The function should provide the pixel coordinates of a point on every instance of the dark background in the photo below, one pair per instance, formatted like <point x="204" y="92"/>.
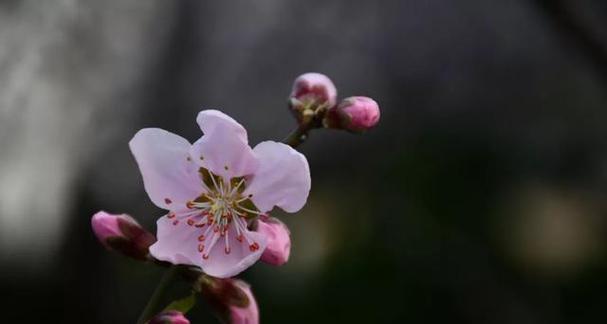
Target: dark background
<point x="479" y="198"/>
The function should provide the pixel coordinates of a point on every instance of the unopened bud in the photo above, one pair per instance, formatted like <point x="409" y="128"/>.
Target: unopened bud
<point x="311" y="92"/>
<point x="354" y="114"/>
<point x="169" y="317"/>
<point x="231" y="299"/>
<point x="278" y="241"/>
<point x="122" y="233"/>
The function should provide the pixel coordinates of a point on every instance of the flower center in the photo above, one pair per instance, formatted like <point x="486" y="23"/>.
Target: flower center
<point x="220" y="212"/>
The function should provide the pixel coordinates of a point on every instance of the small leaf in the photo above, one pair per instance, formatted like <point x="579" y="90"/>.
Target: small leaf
<point x="182" y="305"/>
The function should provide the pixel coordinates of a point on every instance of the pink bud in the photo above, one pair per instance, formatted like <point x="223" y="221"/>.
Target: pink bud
<point x="355" y="114"/>
<point x="248" y="314"/>
<point x="231" y="299"/>
<point x="122" y="233"/>
<point x="169" y="317"/>
<point x="313" y="89"/>
<point x="279" y="241"/>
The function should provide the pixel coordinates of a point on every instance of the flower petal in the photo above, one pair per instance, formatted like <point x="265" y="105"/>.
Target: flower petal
<point x="176" y="244"/>
<point x="282" y="179"/>
<point x="223" y="265"/>
<point x="211" y="120"/>
<point x="169" y="176"/>
<point x="223" y="149"/>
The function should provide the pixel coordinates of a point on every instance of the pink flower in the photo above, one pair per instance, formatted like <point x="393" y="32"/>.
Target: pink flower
<point x="122" y="233"/>
<point x="355" y="114"/>
<point x="169" y="317"/>
<point x="314" y="88"/>
<point x="248" y="314"/>
<point x="232" y="300"/>
<point x="213" y="189"/>
<point x="278" y="241"/>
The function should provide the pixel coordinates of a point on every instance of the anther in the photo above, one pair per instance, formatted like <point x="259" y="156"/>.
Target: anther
<point x="201" y="238"/>
<point x="175" y="222"/>
<point x="190" y="222"/>
<point x="167" y="201"/>
<point x="227" y="250"/>
<point x="200" y="247"/>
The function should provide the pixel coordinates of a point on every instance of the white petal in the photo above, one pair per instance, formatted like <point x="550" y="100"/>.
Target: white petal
<point x="282" y="179"/>
<point x="212" y="120"/>
<point x="177" y="244"/>
<point x="169" y="178"/>
<point x="223" y="265"/>
<point x="223" y="149"/>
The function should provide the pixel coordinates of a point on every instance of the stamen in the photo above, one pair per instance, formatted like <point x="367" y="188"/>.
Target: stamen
<point x="250" y="211"/>
<point x="254" y="247"/>
<point x="221" y="207"/>
<point x="236" y="188"/>
<point x="205" y="255"/>
<point x="221" y="187"/>
<point x="227" y="243"/>
<point x="242" y="227"/>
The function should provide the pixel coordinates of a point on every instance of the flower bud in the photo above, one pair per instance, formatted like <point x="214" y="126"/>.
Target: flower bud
<point x="278" y="240"/>
<point x="311" y="92"/>
<point x="232" y="300"/>
<point x="122" y="233"/>
<point x="248" y="314"/>
<point x="169" y="317"/>
<point x="354" y="114"/>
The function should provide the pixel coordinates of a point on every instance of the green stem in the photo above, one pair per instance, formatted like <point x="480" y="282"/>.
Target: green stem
<point x="298" y="136"/>
<point x="152" y="304"/>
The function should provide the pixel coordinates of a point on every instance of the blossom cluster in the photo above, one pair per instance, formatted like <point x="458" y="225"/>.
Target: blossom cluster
<point x="218" y="193"/>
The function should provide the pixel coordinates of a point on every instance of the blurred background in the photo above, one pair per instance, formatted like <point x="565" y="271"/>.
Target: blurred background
<point x="479" y="198"/>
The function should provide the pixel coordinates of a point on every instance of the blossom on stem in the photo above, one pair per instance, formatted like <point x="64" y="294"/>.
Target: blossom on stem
<point x="248" y="314"/>
<point x="122" y="233"/>
<point x="213" y="190"/>
<point x="311" y="92"/>
<point x="232" y="300"/>
<point x="354" y="114"/>
<point x="278" y="240"/>
<point x="169" y="317"/>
